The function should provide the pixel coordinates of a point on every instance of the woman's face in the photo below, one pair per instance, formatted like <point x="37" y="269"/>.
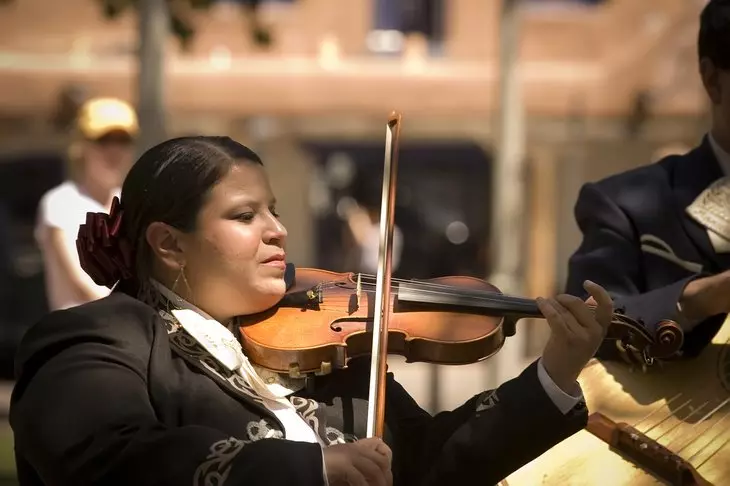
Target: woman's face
<point x="235" y="259"/>
<point x="107" y="160"/>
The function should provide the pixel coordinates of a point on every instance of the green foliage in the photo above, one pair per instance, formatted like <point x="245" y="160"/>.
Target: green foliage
<point x="180" y="26"/>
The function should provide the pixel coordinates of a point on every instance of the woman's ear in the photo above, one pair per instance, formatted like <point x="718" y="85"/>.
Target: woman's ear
<point x="164" y="240"/>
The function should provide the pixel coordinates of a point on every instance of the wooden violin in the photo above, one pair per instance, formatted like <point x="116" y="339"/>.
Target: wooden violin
<point x="326" y="318"/>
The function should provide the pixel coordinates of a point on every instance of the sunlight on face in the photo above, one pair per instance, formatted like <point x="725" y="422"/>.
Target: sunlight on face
<point x="235" y="258"/>
<point x="107" y="160"/>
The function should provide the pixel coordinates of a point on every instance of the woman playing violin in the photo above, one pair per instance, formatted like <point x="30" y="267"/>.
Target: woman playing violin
<point x="149" y="386"/>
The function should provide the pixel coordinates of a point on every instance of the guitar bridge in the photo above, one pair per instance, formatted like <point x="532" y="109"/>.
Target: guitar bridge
<point x="644" y="452"/>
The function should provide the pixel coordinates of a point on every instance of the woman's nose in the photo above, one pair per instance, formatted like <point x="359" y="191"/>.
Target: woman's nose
<point x="276" y="230"/>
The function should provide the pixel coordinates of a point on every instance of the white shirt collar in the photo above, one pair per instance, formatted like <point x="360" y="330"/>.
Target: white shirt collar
<point x="722" y="156"/>
<point x="222" y="345"/>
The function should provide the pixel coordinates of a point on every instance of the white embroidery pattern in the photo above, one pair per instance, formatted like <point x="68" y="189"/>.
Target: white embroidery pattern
<point x="307" y="408"/>
<point x="261" y="429"/>
<point x="192" y="351"/>
<point x="334" y="436"/>
<point x="215" y="470"/>
<point x="487" y="400"/>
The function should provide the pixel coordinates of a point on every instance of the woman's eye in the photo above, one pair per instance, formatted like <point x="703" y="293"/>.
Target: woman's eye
<point x="274" y="212"/>
<point x="246" y="217"/>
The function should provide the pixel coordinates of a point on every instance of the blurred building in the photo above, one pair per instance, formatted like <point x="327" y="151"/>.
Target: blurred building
<point x="605" y="86"/>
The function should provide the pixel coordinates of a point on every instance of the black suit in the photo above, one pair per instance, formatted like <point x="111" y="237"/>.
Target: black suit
<point x="106" y="394"/>
<point x="627" y="219"/>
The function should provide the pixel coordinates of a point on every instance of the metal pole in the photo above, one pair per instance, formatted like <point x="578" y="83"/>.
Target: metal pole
<point x="153" y="30"/>
<point x="508" y="206"/>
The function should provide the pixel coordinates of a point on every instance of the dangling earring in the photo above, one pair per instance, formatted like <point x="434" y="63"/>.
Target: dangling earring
<point x="187" y="285"/>
<point x="181" y="273"/>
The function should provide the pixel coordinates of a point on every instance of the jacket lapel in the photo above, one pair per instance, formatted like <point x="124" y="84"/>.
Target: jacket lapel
<point x="692" y="176"/>
<point x="187" y="347"/>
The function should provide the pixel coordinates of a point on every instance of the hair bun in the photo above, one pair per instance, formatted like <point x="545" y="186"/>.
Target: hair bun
<point x="104" y="253"/>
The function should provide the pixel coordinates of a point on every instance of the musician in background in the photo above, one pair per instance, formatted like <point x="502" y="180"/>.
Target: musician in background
<point x="149" y="385"/>
<point x="363" y="224"/>
<point x="658" y="237"/>
<point x="98" y="159"/>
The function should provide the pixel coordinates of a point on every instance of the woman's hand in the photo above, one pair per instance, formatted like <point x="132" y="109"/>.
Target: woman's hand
<point x="576" y="333"/>
<point x="362" y="463"/>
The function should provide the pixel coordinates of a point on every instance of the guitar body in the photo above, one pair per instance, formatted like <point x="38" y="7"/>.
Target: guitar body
<point x="689" y="403"/>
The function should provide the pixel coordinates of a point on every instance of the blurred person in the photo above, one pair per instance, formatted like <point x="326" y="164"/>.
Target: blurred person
<point x="658" y="236"/>
<point x="150" y="385"/>
<point x="363" y="223"/>
<point x="99" y="157"/>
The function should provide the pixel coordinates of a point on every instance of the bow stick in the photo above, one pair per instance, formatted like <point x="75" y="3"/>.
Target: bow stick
<point x="379" y="357"/>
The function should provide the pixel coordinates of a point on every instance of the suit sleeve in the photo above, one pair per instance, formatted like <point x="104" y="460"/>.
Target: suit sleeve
<point x="81" y="415"/>
<point x="610" y="255"/>
<point x="486" y="439"/>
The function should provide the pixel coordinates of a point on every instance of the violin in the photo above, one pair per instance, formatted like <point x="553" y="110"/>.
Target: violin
<point x="328" y="318"/>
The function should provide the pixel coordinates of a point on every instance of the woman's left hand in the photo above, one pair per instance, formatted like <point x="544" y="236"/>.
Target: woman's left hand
<point x="576" y="333"/>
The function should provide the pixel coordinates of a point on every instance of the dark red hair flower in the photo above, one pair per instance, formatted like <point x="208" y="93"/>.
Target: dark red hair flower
<point x="104" y="253"/>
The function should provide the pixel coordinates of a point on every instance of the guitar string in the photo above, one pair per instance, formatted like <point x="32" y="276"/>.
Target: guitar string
<point x="716" y="436"/>
<point x="668" y="416"/>
<point x="721" y="447"/>
<point x="656" y="410"/>
<point x="681" y="422"/>
<point x="695" y="425"/>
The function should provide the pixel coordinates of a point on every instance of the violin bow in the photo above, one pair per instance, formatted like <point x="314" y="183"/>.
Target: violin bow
<point x="379" y="356"/>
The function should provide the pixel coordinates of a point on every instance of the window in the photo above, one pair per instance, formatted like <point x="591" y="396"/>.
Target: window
<point x="394" y="20"/>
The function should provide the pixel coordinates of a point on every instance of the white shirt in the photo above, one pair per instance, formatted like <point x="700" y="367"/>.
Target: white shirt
<point x="64" y="207"/>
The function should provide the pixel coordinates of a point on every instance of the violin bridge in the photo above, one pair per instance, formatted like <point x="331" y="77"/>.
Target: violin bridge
<point x="358" y="291"/>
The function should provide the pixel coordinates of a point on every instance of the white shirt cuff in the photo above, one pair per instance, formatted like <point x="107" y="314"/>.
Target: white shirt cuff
<point x="562" y="400"/>
<point x="324" y="470"/>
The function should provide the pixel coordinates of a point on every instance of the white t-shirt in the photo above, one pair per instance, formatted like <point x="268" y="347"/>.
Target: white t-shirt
<point x="64" y="207"/>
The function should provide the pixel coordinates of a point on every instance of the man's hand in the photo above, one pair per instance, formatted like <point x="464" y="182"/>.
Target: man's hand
<point x="576" y="333"/>
<point x="706" y="297"/>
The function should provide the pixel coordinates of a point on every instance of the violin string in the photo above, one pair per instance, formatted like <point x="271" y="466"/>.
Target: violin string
<point x="493" y="298"/>
<point x="483" y="298"/>
<point x="420" y="285"/>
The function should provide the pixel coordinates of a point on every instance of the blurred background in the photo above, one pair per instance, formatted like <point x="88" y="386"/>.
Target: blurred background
<point x="508" y="107"/>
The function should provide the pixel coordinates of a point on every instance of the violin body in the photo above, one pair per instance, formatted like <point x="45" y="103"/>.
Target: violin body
<point x="324" y="321"/>
<point x="326" y="318"/>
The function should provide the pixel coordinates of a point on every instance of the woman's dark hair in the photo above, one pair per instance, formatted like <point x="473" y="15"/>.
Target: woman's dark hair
<point x="714" y="36"/>
<point x="170" y="183"/>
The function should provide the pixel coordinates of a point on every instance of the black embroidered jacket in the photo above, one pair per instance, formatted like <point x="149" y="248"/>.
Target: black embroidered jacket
<point x="109" y="393"/>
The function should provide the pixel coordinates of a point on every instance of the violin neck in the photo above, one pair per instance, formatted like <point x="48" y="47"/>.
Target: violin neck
<point x="467" y="300"/>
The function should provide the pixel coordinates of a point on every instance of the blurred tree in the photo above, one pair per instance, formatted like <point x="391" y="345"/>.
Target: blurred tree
<point x="158" y="18"/>
<point x="180" y="24"/>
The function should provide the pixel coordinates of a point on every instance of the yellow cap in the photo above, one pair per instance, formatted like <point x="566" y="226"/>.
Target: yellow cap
<point x="99" y="116"/>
